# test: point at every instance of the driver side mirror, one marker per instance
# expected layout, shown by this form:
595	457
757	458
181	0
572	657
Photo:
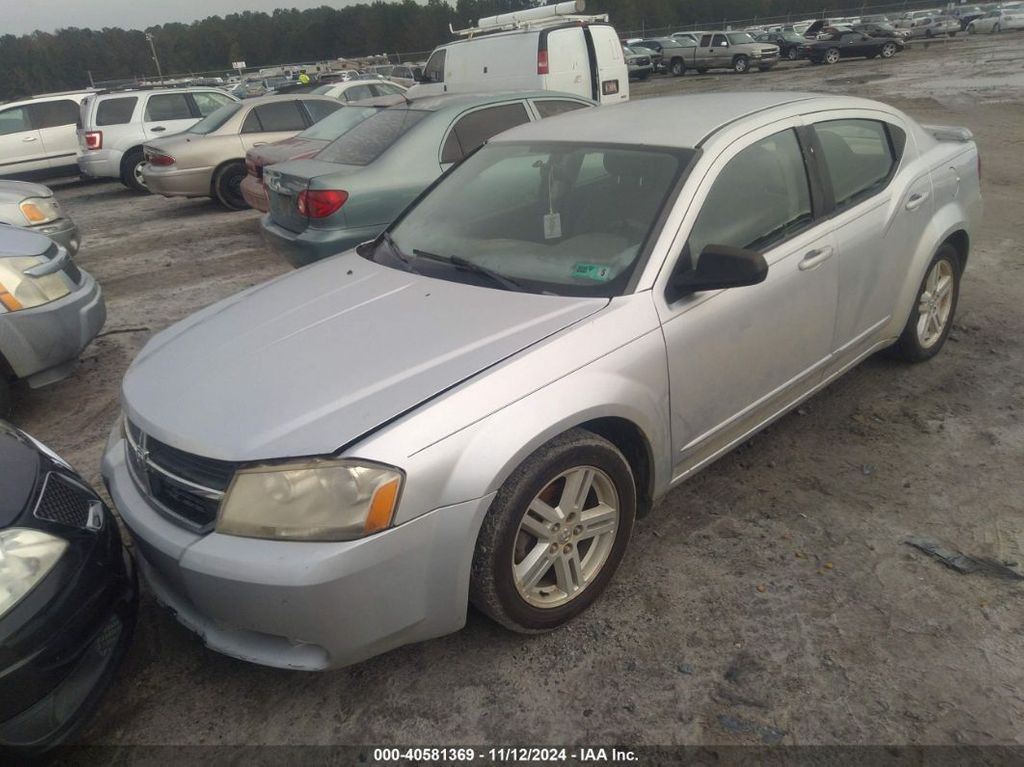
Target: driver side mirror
720	267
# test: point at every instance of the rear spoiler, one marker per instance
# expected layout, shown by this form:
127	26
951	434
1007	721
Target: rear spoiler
949	133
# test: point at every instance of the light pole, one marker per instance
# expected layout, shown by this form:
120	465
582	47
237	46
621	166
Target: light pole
152	47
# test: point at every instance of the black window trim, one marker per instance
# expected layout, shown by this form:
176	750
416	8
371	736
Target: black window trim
833	208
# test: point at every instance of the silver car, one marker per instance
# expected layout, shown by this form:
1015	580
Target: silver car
478	404
49	310
34	207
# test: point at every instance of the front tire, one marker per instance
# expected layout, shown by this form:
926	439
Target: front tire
555	534
741	65
931	319
677	68
888	51
227	186
793	54
131	171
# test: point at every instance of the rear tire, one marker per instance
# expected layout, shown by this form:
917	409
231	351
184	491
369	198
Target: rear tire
677	68
227	186
931	318
131	171
832	56
793	54
532	518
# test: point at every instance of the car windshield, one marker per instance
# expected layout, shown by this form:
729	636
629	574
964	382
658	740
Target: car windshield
215	119
372	137
560	217
739	38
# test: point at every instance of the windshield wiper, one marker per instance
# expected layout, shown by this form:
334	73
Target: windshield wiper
471	266
397	253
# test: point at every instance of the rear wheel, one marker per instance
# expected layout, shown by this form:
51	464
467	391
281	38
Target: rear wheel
677	68
931	319
832	55
555	533
888	50
228	186
792	54
131	171
740	65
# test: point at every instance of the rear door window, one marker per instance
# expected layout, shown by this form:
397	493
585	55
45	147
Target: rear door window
475	128
116	111
372	137
861	157
719	41
280	116
53	114
168	106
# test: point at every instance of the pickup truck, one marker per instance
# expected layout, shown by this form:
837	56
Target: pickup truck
737	51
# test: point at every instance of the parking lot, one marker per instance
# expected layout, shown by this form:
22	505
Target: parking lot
772	599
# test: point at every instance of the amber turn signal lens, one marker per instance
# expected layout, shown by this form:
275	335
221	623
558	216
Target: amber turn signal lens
32	212
11	303
382	507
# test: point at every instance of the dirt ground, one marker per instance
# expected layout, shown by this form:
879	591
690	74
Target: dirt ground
770	600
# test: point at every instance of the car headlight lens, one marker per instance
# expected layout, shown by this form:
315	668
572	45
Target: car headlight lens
40	210
23	291
319	500
26	556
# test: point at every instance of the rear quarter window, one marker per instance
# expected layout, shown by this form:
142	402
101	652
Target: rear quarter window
552	107
116	111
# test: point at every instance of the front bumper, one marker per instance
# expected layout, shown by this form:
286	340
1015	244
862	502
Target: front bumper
304	605
43	343
302	248
63	231
175	182
100	163
63	643
255	193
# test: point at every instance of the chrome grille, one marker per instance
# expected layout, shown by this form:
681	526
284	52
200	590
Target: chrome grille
187	488
67	503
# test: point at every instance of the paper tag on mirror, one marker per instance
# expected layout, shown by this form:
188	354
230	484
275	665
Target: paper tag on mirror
552	226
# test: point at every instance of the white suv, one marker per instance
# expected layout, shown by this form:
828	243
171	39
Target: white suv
37	136
115	124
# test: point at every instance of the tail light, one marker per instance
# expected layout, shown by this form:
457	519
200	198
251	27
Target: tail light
320	203
542	62
156	158
94	139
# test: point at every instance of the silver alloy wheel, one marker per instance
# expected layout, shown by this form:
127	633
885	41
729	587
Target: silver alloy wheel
888	50
565	537
137	172
831	56
935	304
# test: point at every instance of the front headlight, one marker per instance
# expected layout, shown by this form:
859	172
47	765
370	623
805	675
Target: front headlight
23	291
318	500
40	210
26	556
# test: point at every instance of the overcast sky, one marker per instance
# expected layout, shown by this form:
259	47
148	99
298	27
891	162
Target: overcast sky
21	16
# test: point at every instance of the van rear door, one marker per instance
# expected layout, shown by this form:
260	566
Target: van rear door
568	61
612	74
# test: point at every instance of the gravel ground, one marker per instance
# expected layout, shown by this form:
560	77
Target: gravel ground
771	599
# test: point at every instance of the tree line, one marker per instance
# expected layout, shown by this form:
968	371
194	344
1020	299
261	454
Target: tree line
44	61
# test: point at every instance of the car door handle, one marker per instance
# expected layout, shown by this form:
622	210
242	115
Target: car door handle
30	138
917	200
158	129
815	258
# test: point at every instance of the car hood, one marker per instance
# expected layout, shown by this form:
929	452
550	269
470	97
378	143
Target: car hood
313	360
19	242
16	191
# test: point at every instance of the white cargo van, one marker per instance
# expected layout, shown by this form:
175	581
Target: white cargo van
547	48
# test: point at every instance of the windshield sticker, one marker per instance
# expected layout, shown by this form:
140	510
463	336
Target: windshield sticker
552	226
596	272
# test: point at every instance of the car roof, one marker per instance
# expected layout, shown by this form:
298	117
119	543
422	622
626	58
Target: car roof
667	121
462	100
286	97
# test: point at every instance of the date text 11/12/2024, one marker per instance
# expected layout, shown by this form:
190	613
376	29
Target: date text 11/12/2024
504	754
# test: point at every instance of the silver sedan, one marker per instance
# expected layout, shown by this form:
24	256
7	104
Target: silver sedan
479	404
